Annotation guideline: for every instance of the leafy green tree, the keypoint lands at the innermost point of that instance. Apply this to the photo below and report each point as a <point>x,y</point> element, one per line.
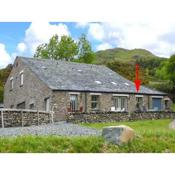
<point>49,50</point>
<point>161,71</point>
<point>171,70</point>
<point>167,72</point>
<point>85,55</point>
<point>67,48</point>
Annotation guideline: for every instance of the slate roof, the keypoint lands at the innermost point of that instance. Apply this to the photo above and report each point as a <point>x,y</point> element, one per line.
<point>70,76</point>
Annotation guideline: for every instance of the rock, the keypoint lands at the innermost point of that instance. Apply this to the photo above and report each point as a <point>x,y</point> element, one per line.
<point>172,125</point>
<point>118,134</point>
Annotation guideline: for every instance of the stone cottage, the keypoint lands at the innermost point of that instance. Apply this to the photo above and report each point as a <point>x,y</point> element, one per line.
<point>62,86</point>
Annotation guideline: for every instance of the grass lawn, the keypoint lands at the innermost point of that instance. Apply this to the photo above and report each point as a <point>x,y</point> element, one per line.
<point>152,136</point>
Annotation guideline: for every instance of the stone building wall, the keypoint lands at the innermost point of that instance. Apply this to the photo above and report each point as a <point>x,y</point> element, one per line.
<point>20,118</point>
<point>33,90</point>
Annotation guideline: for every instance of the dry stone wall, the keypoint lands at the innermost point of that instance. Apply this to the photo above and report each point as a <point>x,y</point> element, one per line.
<point>117,116</point>
<point>16,118</point>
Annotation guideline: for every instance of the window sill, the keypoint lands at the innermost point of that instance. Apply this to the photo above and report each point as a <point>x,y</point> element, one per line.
<point>118,111</point>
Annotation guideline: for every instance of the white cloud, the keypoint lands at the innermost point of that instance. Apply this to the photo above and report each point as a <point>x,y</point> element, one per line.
<point>81,24</point>
<point>21,47</point>
<point>104,46</point>
<point>96,31</point>
<point>5,58</point>
<point>147,35</point>
<point>39,33</point>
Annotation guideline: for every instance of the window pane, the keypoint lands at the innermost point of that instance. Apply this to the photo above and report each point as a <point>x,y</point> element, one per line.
<point>95,102</point>
<point>74,103</point>
<point>47,104</point>
<point>120,103</point>
<point>21,78</point>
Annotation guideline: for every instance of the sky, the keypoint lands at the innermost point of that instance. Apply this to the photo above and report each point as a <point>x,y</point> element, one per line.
<point>22,38</point>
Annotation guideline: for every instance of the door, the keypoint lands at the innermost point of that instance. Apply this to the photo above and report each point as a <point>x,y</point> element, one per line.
<point>156,104</point>
<point>73,103</point>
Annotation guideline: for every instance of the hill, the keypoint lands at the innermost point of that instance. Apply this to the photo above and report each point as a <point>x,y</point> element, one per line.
<point>124,55</point>
<point>123,61</point>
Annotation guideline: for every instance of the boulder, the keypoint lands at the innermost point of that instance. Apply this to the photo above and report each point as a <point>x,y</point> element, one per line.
<point>172,125</point>
<point>118,134</point>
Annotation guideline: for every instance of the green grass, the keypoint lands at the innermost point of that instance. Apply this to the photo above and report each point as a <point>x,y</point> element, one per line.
<point>52,144</point>
<point>151,136</point>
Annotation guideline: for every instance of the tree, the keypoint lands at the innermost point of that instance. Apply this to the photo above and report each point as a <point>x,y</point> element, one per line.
<point>66,49</point>
<point>49,50</point>
<point>171,70</point>
<point>85,55</point>
<point>161,71</point>
<point>166,72</point>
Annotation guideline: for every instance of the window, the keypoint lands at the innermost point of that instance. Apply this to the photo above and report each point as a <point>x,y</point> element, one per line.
<point>32,106</point>
<point>73,103</point>
<point>95,102</point>
<point>157,103</point>
<point>21,78</point>
<point>11,106</point>
<point>21,105</point>
<point>47,104</point>
<point>120,103</point>
<point>11,83</point>
<point>139,103</point>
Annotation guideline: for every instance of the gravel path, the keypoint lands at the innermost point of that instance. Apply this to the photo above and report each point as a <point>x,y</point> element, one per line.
<point>59,128</point>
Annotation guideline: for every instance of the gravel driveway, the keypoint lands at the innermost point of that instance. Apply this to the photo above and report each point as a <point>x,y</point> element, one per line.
<point>59,128</point>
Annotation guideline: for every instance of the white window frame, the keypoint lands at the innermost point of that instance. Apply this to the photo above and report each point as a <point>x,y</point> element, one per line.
<point>95,94</point>
<point>11,83</point>
<point>117,108</point>
<point>157,96</point>
<point>140,103</point>
<point>120,95</point>
<point>47,104</point>
<point>74,93</point>
<point>21,78</point>
<point>74,102</point>
<point>97,101</point>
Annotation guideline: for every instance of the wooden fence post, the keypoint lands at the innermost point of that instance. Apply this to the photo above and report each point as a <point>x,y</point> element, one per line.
<point>2,119</point>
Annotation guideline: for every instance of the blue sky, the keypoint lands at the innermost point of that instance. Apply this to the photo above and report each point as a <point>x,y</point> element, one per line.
<point>22,38</point>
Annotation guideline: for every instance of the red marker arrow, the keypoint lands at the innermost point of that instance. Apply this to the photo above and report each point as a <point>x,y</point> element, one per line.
<point>137,81</point>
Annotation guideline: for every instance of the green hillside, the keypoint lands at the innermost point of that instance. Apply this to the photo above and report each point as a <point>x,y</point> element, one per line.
<point>123,61</point>
<point>124,55</point>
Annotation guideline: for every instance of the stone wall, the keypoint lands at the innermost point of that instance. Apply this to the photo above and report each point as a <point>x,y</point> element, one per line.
<point>33,91</point>
<point>16,118</point>
<point>116,116</point>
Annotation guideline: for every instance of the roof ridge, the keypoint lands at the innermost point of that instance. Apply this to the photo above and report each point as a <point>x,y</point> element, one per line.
<point>63,61</point>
